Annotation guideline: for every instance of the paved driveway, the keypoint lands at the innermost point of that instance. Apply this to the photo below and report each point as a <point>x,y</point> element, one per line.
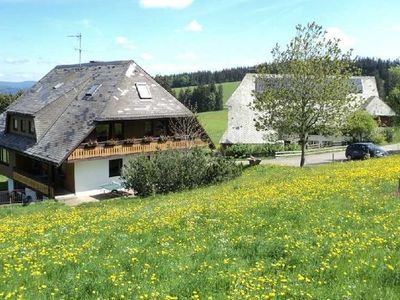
<point>319,159</point>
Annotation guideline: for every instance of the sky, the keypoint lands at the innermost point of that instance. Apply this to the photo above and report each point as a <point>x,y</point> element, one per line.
<point>173,36</point>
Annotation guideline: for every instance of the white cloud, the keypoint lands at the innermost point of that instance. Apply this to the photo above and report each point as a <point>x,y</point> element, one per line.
<point>174,4</point>
<point>124,43</point>
<point>147,56</point>
<point>194,26</point>
<point>1,75</point>
<point>346,41</point>
<point>190,55</point>
<point>88,24</point>
<point>14,61</point>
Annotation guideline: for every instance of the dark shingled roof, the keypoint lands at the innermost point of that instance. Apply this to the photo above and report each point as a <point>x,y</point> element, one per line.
<point>64,114</point>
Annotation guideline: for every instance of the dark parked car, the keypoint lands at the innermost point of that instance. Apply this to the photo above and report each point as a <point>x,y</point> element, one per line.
<point>364,151</point>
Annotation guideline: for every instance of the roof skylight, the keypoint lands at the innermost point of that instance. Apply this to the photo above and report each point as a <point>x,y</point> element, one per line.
<point>143,90</point>
<point>58,85</point>
<point>93,89</point>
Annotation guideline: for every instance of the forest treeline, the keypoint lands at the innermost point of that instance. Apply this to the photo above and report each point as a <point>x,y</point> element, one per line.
<point>205,95</point>
<point>368,67</point>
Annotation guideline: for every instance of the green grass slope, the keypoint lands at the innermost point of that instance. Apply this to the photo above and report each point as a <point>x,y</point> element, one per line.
<point>228,88</point>
<point>329,232</point>
<point>216,122</point>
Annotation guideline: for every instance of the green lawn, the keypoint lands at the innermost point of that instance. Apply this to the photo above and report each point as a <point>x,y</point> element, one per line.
<point>328,232</point>
<point>216,122</point>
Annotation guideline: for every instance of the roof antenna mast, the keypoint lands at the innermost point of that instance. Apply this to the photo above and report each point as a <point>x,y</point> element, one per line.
<point>79,37</point>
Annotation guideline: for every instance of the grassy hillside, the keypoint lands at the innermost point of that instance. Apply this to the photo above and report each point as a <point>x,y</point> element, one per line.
<point>216,122</point>
<point>228,88</point>
<point>276,232</point>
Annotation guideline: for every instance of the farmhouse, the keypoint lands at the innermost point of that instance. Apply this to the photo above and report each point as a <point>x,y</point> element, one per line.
<point>241,128</point>
<point>73,131</point>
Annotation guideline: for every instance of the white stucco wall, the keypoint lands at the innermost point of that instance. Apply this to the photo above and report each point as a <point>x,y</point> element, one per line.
<point>91,174</point>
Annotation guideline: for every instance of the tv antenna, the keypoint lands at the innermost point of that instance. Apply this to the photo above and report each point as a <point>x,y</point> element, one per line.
<point>79,37</point>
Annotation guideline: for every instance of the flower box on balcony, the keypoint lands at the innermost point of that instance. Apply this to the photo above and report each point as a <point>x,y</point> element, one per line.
<point>162,139</point>
<point>111,143</point>
<point>130,141</point>
<point>147,140</point>
<point>91,144</point>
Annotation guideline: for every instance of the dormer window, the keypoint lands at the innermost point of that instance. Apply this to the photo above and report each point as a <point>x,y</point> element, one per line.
<point>143,90</point>
<point>22,125</point>
<point>15,124</point>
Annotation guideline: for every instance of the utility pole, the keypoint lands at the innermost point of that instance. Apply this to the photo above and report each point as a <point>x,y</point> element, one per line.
<point>79,37</point>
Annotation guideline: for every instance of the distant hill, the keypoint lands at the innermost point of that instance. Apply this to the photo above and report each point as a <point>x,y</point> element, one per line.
<point>14,87</point>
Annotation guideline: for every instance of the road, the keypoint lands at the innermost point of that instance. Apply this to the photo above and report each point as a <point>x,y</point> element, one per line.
<point>319,159</point>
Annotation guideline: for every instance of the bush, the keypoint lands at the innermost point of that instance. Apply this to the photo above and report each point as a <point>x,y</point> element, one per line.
<point>264,150</point>
<point>392,135</point>
<point>171,171</point>
<point>377,137</point>
<point>360,126</point>
<point>388,134</point>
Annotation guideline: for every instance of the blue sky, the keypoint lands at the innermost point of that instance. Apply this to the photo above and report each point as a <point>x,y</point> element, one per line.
<point>171,36</point>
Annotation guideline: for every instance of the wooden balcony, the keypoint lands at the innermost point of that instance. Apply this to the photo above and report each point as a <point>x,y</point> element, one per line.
<point>136,148</point>
<point>34,184</point>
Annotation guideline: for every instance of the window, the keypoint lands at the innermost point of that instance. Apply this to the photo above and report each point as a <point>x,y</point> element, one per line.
<point>102,132</point>
<point>143,90</point>
<point>4,156</point>
<point>31,126</point>
<point>22,125</point>
<point>15,124</point>
<point>114,167</point>
<point>148,128</point>
<point>118,130</point>
<point>160,128</point>
<point>260,86</point>
<point>93,89</point>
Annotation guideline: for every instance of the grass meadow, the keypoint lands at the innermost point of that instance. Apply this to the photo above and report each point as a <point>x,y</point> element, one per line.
<point>216,122</point>
<point>327,232</point>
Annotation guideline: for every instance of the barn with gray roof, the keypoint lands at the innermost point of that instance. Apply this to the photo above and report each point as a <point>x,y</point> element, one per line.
<point>241,128</point>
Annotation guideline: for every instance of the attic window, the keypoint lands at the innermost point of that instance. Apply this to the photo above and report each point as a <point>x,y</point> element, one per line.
<point>143,90</point>
<point>58,85</point>
<point>93,89</point>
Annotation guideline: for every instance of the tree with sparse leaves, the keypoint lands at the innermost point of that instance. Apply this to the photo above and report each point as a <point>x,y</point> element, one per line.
<point>311,92</point>
<point>188,128</point>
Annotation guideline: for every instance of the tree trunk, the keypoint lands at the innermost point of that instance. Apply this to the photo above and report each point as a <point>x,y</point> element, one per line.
<point>303,153</point>
<point>303,142</point>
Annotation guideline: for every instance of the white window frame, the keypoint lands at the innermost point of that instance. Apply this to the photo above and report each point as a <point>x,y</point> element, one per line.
<point>143,91</point>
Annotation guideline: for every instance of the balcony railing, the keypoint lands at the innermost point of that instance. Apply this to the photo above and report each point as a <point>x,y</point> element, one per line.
<point>34,184</point>
<point>141,146</point>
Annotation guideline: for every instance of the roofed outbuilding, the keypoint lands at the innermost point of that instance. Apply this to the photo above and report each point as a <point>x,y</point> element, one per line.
<point>241,117</point>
